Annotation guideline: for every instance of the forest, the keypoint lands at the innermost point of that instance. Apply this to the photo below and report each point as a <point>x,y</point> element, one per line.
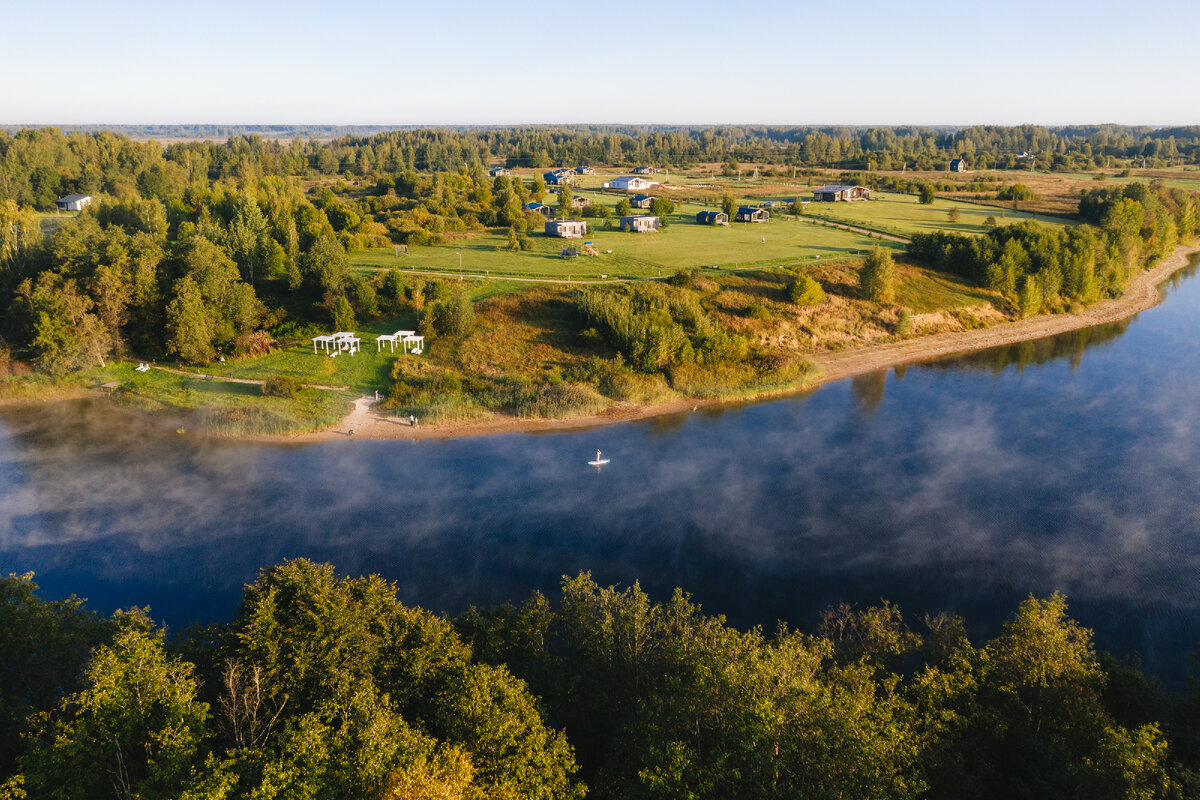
<point>325,686</point>
<point>198,252</point>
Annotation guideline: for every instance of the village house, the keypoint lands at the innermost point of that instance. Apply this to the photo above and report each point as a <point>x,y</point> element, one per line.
<point>500,172</point>
<point>541,208</point>
<point>559,177</point>
<point>841,191</point>
<point>584,171</point>
<point>74,202</point>
<point>566,228</point>
<point>640,223</point>
<point>644,170</point>
<point>580,202</point>
<point>630,183</point>
<point>712,218</point>
<point>641,201</point>
<point>752,214</point>
<point>958,165</point>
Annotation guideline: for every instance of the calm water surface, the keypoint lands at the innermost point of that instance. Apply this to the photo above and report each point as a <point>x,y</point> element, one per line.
<point>1067,464</point>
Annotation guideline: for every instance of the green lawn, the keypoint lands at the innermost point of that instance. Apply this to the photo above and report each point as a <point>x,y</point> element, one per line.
<point>646,255</point>
<point>903,215</point>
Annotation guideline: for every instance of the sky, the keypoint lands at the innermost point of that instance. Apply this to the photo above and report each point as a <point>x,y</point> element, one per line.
<point>459,62</point>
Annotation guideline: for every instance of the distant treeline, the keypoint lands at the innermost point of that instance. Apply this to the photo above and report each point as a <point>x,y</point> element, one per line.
<point>1040,268</point>
<point>328,687</point>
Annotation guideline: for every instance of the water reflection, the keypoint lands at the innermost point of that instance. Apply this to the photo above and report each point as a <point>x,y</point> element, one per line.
<point>1066,464</point>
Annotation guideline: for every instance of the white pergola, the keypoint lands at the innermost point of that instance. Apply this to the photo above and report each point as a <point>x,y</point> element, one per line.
<point>341,342</point>
<point>417,343</point>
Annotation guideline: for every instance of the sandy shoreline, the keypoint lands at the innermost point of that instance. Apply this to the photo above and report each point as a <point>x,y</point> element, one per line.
<point>1143,293</point>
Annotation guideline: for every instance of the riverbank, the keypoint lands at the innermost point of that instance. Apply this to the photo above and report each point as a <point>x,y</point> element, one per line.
<point>1143,293</point>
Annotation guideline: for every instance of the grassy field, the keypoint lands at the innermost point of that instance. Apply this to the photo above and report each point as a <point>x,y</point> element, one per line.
<point>682,245</point>
<point>903,215</point>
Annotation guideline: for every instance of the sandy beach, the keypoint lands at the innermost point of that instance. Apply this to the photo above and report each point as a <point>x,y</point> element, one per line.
<point>364,422</point>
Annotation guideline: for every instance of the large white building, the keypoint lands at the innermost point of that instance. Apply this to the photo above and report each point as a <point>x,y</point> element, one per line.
<point>630,183</point>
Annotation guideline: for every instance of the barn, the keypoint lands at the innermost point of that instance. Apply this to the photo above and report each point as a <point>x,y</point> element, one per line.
<point>841,191</point>
<point>641,201</point>
<point>566,228</point>
<point>712,218</point>
<point>74,202</point>
<point>640,223</point>
<point>752,214</point>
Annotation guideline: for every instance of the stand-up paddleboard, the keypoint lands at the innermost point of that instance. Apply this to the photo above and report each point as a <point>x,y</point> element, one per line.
<point>598,461</point>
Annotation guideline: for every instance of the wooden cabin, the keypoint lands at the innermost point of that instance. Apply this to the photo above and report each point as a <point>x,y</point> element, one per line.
<point>74,202</point>
<point>566,228</point>
<point>958,165</point>
<point>640,223</point>
<point>541,208</point>
<point>579,201</point>
<point>712,218</point>
<point>500,172</point>
<point>841,192</point>
<point>559,177</point>
<point>752,214</point>
<point>641,201</point>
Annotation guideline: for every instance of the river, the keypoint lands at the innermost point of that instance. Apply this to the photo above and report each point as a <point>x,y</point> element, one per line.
<point>1068,464</point>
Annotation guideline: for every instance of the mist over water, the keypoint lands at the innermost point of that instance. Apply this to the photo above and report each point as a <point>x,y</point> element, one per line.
<point>1067,464</point>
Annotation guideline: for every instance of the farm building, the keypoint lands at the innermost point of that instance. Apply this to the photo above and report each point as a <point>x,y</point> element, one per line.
<point>958,165</point>
<point>74,202</point>
<point>712,218</point>
<point>541,208</point>
<point>584,171</point>
<point>559,177</point>
<point>841,191</point>
<point>640,223</point>
<point>630,183</point>
<point>641,201</point>
<point>752,214</point>
<point>500,172</point>
<point>580,202</point>
<point>644,170</point>
<point>566,228</point>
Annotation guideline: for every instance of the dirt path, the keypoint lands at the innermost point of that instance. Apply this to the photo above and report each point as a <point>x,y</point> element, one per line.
<point>224,379</point>
<point>865,231</point>
<point>1142,294</point>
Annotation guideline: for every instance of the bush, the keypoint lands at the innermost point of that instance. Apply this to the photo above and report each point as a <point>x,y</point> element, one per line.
<point>904,323</point>
<point>804,291</point>
<point>281,386</point>
<point>878,276</point>
<point>256,343</point>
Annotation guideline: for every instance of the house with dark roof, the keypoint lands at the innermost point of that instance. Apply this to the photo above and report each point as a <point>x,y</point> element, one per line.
<point>958,165</point>
<point>841,191</point>
<point>641,201</point>
<point>559,177</point>
<point>585,171</point>
<point>578,201</point>
<point>712,218</point>
<point>752,214</point>
<point>500,172</point>
<point>640,223</point>
<point>644,170</point>
<point>541,208</point>
<point>74,202</point>
<point>566,228</point>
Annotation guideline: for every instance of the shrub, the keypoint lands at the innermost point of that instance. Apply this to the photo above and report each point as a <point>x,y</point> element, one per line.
<point>904,323</point>
<point>878,276</point>
<point>281,386</point>
<point>255,343</point>
<point>804,291</point>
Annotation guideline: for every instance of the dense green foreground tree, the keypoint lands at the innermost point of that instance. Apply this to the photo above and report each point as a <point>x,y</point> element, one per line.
<point>327,687</point>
